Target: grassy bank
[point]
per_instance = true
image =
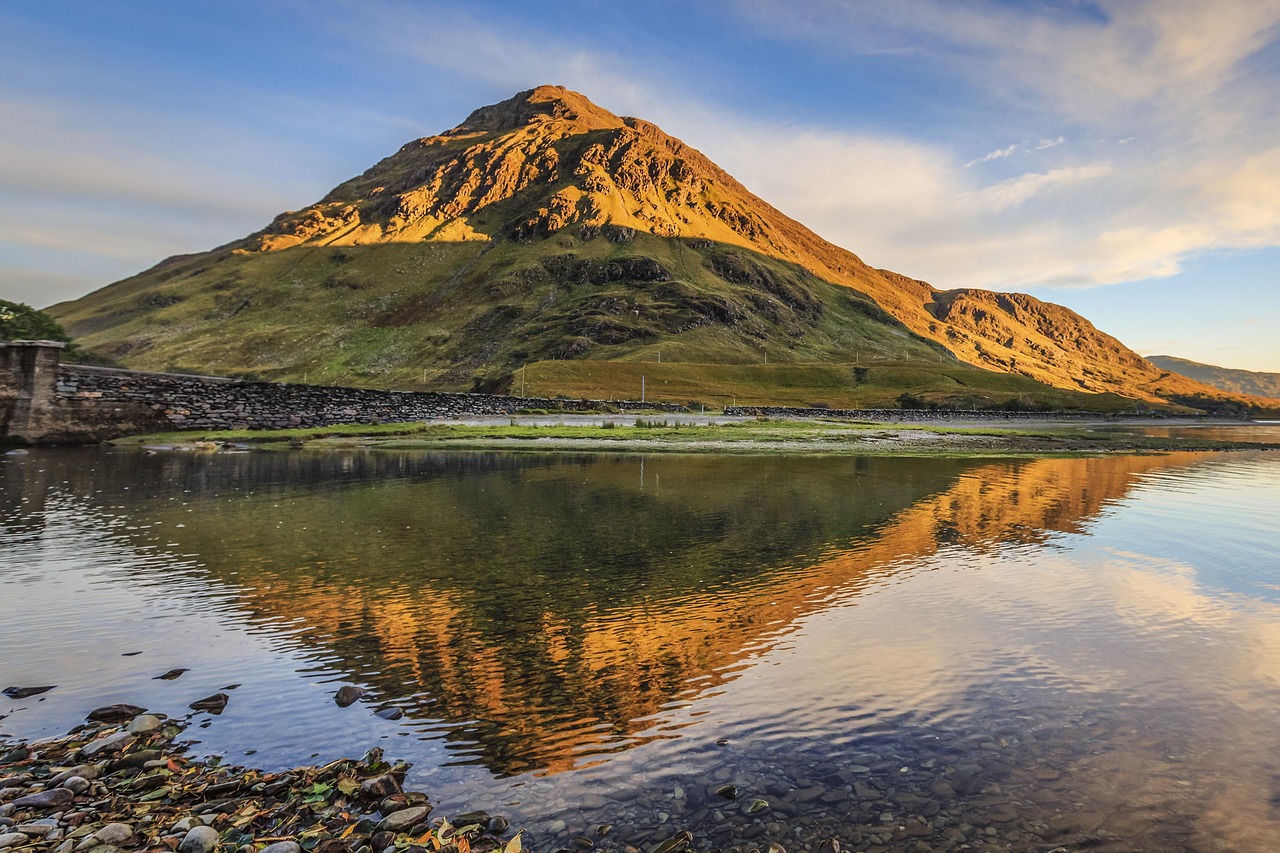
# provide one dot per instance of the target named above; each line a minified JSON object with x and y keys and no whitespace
{"x":666,"y":434}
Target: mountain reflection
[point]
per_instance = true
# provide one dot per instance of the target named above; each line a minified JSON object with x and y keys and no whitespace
{"x":540,"y":610}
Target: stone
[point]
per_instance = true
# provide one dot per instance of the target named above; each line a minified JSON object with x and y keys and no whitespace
{"x":76,"y":784}
{"x":37,"y":828}
{"x":199,"y":839}
{"x":115,"y":834}
{"x":183,"y":824}
{"x":144,"y":724}
{"x":84,"y":771}
{"x":405,"y":818}
{"x":282,"y":847}
{"x":9,"y":839}
{"x":115,"y":713}
{"x":54,"y":798}
{"x":390,"y":713}
{"x":347,"y":695}
{"x":24,"y":692}
{"x":106,"y":745}
{"x":176,"y":672}
{"x":379,"y":786}
{"x":213,"y":704}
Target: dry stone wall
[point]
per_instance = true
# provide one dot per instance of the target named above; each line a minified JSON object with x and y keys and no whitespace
{"x":209,"y":402}
{"x":45,"y":402}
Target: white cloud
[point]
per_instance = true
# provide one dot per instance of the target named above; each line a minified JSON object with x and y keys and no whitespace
{"x":998,"y":154}
{"x":1046,"y":144}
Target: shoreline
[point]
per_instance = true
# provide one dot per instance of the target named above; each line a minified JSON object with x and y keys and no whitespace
{"x":720,"y":434}
{"x":125,"y":782}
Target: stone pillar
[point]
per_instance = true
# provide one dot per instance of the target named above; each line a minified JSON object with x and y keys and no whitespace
{"x":28,"y":391}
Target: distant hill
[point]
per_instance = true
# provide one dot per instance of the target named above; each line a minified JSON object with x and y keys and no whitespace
{"x":546,"y":228}
{"x":1225,"y":378}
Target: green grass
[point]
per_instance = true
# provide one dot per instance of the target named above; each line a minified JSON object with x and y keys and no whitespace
{"x":870,"y":385}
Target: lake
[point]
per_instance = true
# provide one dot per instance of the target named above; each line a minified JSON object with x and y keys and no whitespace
{"x":905,"y":654}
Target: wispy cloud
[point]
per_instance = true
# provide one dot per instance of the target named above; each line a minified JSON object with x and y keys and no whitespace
{"x":1015,"y":191}
{"x":998,"y":154}
{"x":1046,"y":144}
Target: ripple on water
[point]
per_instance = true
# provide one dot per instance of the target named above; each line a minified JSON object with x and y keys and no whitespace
{"x":1026,"y":652}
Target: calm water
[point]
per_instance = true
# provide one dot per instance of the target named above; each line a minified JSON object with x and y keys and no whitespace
{"x":898,"y":653}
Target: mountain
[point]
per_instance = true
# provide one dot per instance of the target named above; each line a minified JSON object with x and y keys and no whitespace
{"x":544,"y":227}
{"x":1229,"y":379}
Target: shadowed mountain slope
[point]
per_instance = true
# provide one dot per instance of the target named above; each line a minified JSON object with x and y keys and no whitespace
{"x":1228,"y":379}
{"x":545,"y":227}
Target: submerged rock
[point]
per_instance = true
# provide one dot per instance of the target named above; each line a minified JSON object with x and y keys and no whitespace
{"x":24,"y":692}
{"x":115,"y":713}
{"x":213,"y":704}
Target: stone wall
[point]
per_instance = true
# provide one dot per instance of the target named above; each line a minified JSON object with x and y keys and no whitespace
{"x":44,"y":402}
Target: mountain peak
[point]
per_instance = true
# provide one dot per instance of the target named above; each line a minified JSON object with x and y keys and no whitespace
{"x":536,"y":105}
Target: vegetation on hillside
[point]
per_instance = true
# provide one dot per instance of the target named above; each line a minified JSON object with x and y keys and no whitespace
{"x":21,"y":322}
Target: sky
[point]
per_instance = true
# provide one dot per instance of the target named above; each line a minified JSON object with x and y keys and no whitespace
{"x":1119,"y":157}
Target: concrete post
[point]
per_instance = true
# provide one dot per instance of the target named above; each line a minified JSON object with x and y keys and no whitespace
{"x":30,"y":386}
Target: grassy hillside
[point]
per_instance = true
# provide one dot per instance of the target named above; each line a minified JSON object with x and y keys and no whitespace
{"x":466,"y":315}
{"x":866,"y":384}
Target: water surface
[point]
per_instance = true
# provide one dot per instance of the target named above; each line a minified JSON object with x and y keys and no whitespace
{"x":892,"y":652}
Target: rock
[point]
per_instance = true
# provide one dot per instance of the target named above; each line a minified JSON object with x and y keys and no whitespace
{"x":183,"y":824}
{"x":115,"y":713}
{"x":76,"y":784}
{"x":729,"y":792}
{"x":176,"y":672}
{"x":11,"y":838}
{"x":37,"y":828}
{"x":115,"y":834}
{"x":199,"y":839}
{"x":403,"y":819}
{"x":471,"y":819}
{"x":390,"y":713}
{"x":84,"y":771}
{"x":396,"y":802}
{"x":144,"y":724}
{"x":347,"y":694}
{"x":24,"y":692}
{"x":54,"y":798}
{"x":379,"y":786}
{"x":282,"y":847}
{"x":213,"y":704}
{"x":106,"y":745}
{"x":498,"y":824}
{"x":679,"y":841}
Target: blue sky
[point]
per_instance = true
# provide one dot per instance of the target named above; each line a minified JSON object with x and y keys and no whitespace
{"x":1121,"y":158}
